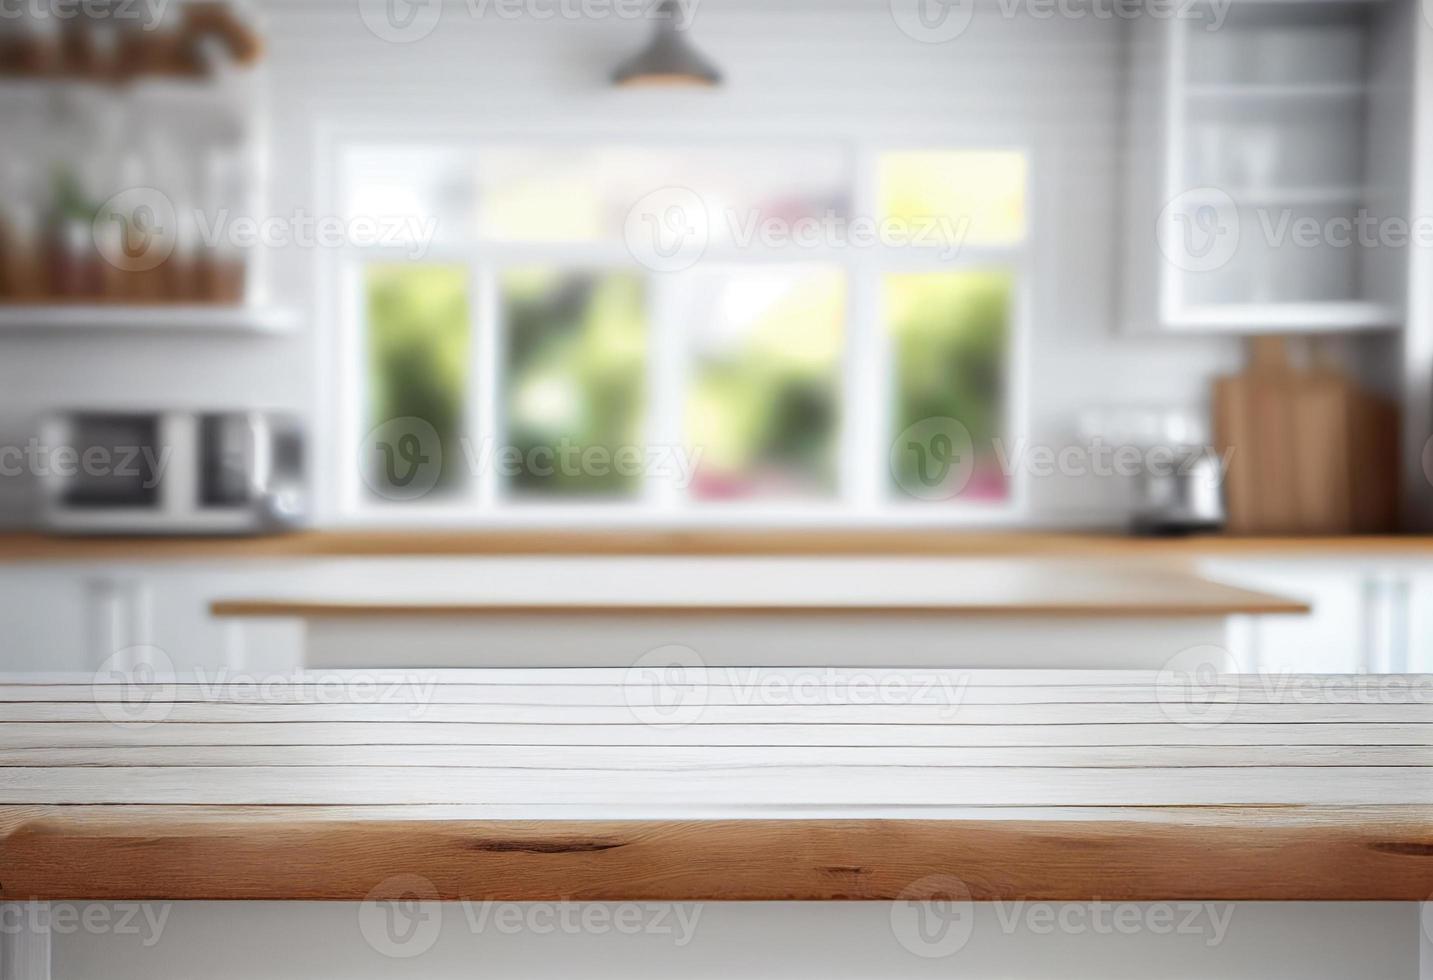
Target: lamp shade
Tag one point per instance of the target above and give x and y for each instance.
(668, 58)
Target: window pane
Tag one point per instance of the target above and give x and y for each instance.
(950, 336)
(575, 381)
(762, 409)
(560, 193)
(418, 377)
(972, 197)
(410, 196)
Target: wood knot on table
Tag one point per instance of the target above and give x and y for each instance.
(545, 846)
(1403, 848)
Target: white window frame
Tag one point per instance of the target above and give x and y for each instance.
(864, 498)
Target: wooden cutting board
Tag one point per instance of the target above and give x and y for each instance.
(1308, 451)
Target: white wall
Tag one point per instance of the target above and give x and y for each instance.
(794, 67)
(832, 941)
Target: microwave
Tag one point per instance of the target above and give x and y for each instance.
(173, 472)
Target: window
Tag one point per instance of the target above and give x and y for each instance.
(685, 333)
(763, 399)
(418, 329)
(573, 379)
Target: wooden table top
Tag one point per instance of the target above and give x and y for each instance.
(669, 781)
(654, 586)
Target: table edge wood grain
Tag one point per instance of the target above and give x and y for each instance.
(1232, 853)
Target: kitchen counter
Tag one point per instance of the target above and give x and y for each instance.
(602, 784)
(582, 612)
(23, 547)
(1026, 587)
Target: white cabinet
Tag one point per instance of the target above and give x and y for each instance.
(45, 611)
(1268, 167)
(1369, 615)
(74, 617)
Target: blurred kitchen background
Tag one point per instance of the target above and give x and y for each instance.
(713, 275)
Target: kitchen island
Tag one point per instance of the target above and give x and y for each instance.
(567, 612)
(781, 784)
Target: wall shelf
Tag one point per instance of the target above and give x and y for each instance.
(1313, 317)
(1252, 197)
(1263, 92)
(176, 318)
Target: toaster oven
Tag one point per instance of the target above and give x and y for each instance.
(173, 472)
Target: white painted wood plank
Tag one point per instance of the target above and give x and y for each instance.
(18, 735)
(735, 789)
(761, 714)
(714, 675)
(919, 688)
(675, 758)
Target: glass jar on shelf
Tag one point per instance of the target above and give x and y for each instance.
(223, 264)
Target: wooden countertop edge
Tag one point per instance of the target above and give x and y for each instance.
(1255, 604)
(22, 547)
(318, 853)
